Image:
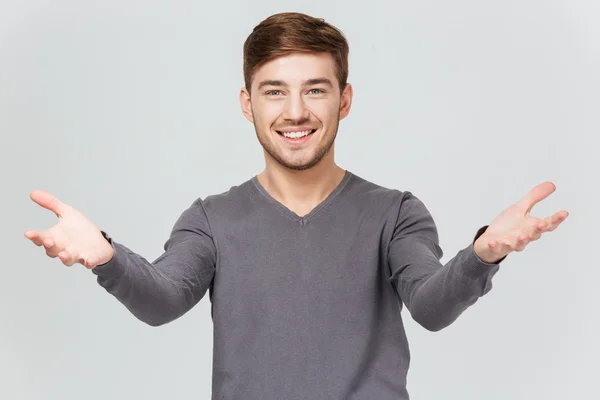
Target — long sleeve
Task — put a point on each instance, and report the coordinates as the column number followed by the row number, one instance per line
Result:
column 435, row 294
column 161, row 291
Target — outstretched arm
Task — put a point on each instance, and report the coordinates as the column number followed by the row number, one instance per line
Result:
column 155, row 292
column 436, row 294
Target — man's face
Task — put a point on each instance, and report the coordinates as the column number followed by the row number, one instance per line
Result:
column 292, row 96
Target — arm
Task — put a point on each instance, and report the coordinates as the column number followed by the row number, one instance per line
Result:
column 161, row 291
column 435, row 294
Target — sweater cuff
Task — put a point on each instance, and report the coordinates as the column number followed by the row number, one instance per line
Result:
column 115, row 267
column 473, row 266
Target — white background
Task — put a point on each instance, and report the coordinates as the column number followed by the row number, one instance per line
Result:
column 129, row 111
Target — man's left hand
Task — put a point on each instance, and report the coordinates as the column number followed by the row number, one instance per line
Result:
column 515, row 228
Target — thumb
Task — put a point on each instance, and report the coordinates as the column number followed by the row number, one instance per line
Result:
column 48, row 201
column 537, row 194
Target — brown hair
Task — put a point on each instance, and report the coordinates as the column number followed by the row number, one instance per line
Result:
column 288, row 32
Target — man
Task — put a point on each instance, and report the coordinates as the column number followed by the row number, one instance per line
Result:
column 307, row 265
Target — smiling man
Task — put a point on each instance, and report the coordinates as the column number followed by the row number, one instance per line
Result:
column 307, row 264
column 303, row 104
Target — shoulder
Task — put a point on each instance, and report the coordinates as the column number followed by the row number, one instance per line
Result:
column 402, row 207
column 375, row 194
column 233, row 203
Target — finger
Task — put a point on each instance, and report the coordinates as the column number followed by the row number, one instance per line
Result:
column 536, row 233
column 48, row 201
column 91, row 262
column 87, row 261
column 537, row 194
column 536, row 229
column 512, row 242
column 503, row 245
column 52, row 249
column 66, row 257
column 48, row 243
column 37, row 237
column 34, row 237
column 520, row 241
column 541, row 224
column 52, row 253
column 498, row 247
column 555, row 220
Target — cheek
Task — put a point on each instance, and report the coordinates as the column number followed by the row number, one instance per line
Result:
column 266, row 115
column 325, row 112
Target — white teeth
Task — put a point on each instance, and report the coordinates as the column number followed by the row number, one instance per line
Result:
column 296, row 135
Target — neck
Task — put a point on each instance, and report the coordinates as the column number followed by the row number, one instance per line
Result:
column 301, row 191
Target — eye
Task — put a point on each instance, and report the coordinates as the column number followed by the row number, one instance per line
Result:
column 272, row 92
column 320, row 91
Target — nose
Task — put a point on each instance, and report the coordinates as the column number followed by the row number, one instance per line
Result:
column 295, row 108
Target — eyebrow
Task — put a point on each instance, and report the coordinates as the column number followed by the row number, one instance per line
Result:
column 314, row 81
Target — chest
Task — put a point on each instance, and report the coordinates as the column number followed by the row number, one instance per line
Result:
column 301, row 264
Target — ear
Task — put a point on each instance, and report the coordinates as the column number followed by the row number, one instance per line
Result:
column 346, row 101
column 246, row 104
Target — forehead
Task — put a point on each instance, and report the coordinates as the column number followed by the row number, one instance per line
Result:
column 296, row 68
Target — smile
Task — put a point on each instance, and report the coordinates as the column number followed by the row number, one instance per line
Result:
column 296, row 135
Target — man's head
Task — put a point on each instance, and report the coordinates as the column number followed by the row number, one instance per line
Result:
column 295, row 71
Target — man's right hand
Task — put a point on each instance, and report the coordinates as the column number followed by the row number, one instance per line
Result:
column 74, row 239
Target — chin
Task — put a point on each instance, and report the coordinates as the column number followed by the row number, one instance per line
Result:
column 299, row 167
column 302, row 165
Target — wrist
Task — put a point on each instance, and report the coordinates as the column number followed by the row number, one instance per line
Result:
column 484, row 253
column 108, row 250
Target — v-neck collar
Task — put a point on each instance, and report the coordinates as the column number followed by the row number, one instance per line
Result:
column 291, row 214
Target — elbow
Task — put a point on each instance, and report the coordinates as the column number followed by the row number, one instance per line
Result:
column 168, row 311
column 153, row 319
column 437, row 315
column 159, row 308
column 432, row 326
column 160, row 314
column 158, row 319
column 433, row 322
column 157, row 322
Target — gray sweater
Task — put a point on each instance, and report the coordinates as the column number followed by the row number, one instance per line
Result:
column 304, row 307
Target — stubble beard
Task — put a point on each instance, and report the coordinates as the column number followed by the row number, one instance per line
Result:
column 318, row 155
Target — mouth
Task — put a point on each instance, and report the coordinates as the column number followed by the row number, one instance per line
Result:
column 296, row 137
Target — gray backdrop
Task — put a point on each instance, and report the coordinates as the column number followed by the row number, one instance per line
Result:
column 128, row 111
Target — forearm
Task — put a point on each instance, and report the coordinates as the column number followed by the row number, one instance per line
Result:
column 144, row 290
column 437, row 299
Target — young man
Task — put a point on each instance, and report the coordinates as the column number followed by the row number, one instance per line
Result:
column 307, row 265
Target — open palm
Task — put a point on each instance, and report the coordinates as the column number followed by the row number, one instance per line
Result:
column 74, row 239
column 515, row 227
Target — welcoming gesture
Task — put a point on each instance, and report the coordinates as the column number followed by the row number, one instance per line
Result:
column 74, row 239
column 514, row 228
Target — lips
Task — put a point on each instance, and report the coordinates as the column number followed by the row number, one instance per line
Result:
column 296, row 134
column 297, row 137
